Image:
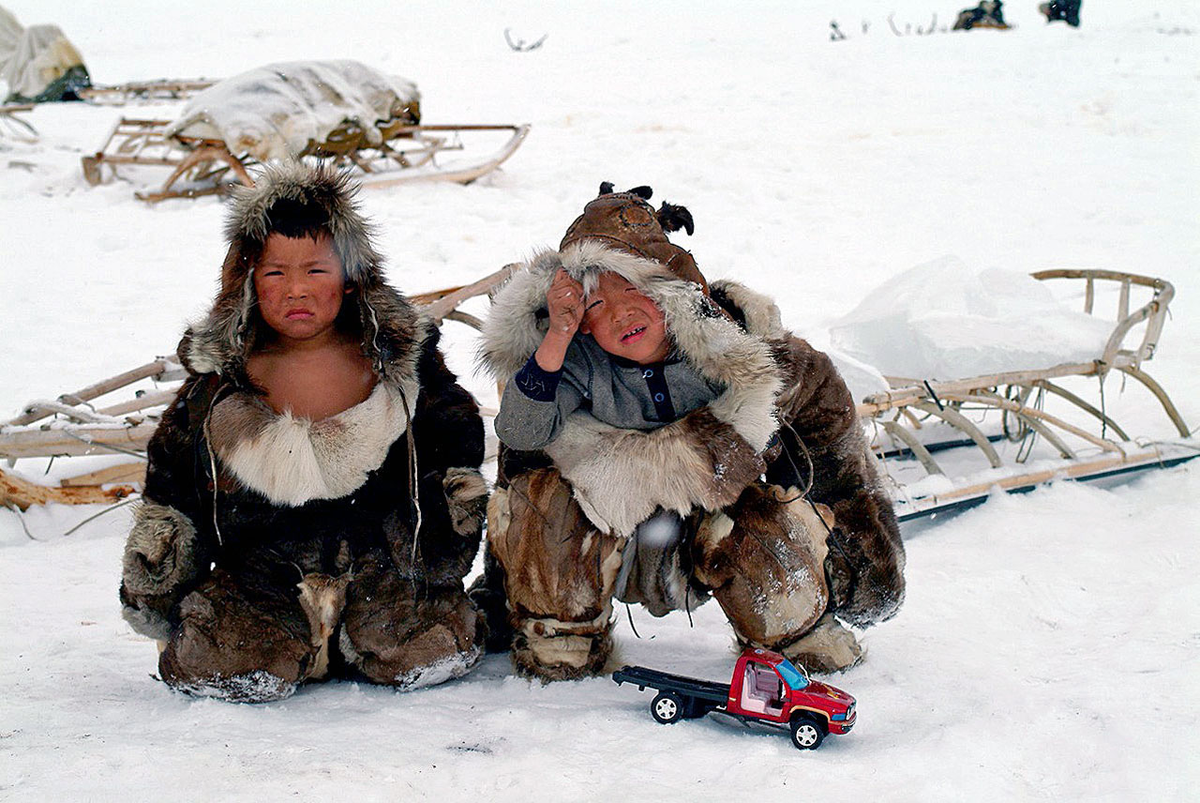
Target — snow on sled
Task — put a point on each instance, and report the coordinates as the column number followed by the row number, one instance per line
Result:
column 341, row 112
column 80, row 424
column 987, row 381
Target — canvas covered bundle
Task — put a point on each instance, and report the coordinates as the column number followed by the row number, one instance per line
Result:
column 39, row 63
column 276, row 111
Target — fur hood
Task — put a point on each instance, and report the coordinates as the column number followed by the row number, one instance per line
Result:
column 621, row 476
column 293, row 460
column 392, row 329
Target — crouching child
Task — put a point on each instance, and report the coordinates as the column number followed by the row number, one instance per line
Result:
column 313, row 499
column 664, row 441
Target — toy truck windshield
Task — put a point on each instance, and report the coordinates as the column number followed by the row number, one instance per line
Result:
column 791, row 675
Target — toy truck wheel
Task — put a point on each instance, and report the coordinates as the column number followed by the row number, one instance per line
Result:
column 667, row 707
column 807, row 733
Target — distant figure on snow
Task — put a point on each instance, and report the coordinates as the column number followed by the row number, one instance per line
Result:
column 988, row 14
column 1066, row 10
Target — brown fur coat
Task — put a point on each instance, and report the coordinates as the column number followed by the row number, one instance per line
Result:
column 774, row 384
column 234, row 485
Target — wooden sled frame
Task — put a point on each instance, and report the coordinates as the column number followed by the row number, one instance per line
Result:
column 408, row 153
column 144, row 91
column 13, row 126
column 900, row 413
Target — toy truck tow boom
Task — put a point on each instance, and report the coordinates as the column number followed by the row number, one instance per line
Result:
column 766, row 688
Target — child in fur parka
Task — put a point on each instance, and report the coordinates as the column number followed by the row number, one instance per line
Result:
column 664, row 441
column 313, row 499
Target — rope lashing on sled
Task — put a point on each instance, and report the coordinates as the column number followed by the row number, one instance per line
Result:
column 932, row 394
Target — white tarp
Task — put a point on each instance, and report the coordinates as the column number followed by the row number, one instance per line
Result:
column 944, row 320
column 33, row 58
column 274, row 111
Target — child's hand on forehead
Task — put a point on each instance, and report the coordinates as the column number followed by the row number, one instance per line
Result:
column 564, row 301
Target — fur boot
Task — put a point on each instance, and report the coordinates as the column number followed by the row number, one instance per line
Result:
column 827, row 647
column 408, row 638
column 559, row 574
column 238, row 643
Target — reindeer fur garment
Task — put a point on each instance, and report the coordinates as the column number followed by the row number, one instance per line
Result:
column 293, row 460
column 240, row 499
column 705, row 458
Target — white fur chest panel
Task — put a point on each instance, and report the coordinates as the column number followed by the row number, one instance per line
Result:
column 293, row 460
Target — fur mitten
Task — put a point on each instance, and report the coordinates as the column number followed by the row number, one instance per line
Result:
column 160, row 553
column 160, row 559
column 466, row 497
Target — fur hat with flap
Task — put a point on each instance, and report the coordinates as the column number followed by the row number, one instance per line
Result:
column 627, row 222
column 299, row 200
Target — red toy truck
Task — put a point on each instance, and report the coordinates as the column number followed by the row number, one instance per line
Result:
column 766, row 687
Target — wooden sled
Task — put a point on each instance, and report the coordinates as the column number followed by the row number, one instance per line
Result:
column 74, row 424
column 15, row 127
column 407, row 154
column 143, row 91
column 922, row 429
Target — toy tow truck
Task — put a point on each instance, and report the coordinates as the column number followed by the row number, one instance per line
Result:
column 766, row 688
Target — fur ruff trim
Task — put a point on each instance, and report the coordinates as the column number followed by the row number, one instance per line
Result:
column 621, row 476
column 293, row 460
column 393, row 329
column 760, row 312
column 325, row 187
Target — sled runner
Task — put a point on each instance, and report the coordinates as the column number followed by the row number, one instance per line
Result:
column 340, row 112
column 13, row 126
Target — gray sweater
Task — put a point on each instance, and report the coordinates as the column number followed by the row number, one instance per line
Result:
column 617, row 392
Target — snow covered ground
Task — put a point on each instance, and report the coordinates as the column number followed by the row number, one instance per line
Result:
column 1050, row 643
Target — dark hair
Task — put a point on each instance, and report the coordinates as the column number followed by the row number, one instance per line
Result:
column 290, row 218
column 296, row 218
